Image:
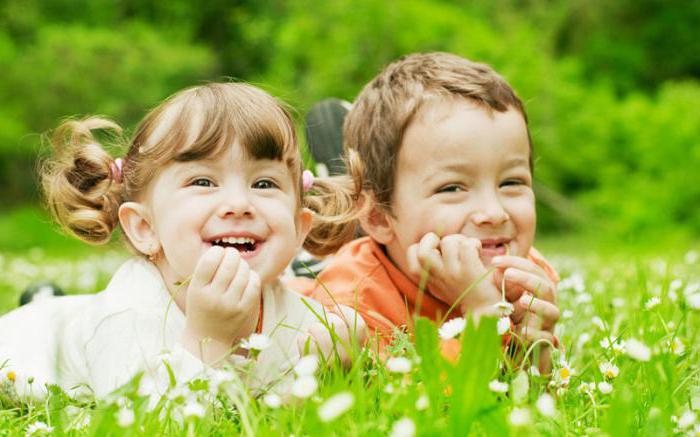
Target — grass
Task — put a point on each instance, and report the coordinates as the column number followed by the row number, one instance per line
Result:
column 606, row 300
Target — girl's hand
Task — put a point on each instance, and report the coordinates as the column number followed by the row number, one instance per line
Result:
column 222, row 305
column 533, row 295
column 454, row 265
column 350, row 334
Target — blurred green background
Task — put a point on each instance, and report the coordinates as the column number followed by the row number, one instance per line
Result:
column 612, row 87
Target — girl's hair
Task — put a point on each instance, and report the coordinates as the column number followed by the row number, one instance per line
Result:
column 84, row 186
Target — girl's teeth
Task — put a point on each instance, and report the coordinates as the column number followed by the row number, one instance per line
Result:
column 235, row 240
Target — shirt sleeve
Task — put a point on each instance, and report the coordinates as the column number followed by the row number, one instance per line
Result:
column 126, row 344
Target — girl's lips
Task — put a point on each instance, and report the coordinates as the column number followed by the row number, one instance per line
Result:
column 245, row 254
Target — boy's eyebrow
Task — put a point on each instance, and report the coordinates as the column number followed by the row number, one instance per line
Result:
column 515, row 162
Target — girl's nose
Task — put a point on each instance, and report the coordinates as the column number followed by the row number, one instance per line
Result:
column 235, row 203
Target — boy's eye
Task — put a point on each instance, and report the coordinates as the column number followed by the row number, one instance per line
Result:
column 202, row 182
column 512, row 182
column 451, row 188
column 265, row 184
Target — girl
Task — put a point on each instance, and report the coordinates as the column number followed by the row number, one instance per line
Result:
column 210, row 198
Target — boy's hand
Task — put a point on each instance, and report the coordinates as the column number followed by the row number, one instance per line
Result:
column 454, row 265
column 533, row 295
column 223, row 302
column 350, row 329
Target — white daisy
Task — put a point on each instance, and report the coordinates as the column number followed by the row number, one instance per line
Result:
column 638, row 350
column 335, row 406
column 608, row 370
column 403, row 427
column 545, row 405
column 304, row 387
column 272, row 400
column 652, row 303
column 605, row 387
column 398, row 365
column 519, row 417
column 497, row 386
column 452, row 328
column 39, row 428
column 256, row 342
column 503, row 325
column 306, row 366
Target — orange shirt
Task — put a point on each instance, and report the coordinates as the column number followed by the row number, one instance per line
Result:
column 362, row 276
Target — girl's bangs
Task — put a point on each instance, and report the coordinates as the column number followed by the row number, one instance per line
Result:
column 204, row 122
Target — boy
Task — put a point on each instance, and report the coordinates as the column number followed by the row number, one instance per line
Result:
column 440, row 148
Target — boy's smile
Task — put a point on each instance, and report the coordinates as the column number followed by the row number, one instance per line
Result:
column 463, row 169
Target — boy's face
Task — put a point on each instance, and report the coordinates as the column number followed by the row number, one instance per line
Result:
column 463, row 170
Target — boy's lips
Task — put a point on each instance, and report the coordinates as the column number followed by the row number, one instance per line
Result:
column 491, row 247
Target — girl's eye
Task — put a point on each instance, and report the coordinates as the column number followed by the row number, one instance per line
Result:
column 202, row 182
column 264, row 184
column 452, row 188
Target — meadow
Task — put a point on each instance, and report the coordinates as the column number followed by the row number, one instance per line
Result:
column 627, row 365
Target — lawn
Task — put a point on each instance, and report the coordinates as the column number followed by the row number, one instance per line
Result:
column 628, row 363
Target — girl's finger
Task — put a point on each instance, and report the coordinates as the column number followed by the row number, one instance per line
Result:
column 250, row 297
column 206, row 267
column 518, row 281
column 238, row 284
column 227, row 271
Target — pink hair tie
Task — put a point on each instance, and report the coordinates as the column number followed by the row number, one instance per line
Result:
column 307, row 180
column 116, row 168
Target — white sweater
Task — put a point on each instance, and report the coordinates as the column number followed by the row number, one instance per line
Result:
column 104, row 340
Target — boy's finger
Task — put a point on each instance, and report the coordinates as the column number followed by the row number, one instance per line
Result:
column 518, row 280
column 470, row 256
column 428, row 254
column 412, row 258
column 530, row 334
column 504, row 261
column 449, row 247
column 227, row 270
column 206, row 267
column 547, row 312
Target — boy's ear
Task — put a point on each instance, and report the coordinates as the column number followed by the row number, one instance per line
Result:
column 304, row 221
column 376, row 220
column 136, row 224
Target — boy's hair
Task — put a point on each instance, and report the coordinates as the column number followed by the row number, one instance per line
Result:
column 84, row 194
column 374, row 128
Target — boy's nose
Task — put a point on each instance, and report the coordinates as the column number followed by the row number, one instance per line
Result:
column 489, row 211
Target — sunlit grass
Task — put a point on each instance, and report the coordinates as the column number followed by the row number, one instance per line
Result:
column 628, row 365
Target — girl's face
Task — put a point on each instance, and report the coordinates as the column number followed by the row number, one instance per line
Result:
column 228, row 200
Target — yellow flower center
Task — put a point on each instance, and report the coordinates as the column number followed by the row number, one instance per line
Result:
column 11, row 376
column 564, row 373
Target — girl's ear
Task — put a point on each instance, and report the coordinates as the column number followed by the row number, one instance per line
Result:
column 376, row 220
column 304, row 221
column 136, row 224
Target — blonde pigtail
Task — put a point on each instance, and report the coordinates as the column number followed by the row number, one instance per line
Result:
column 82, row 185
